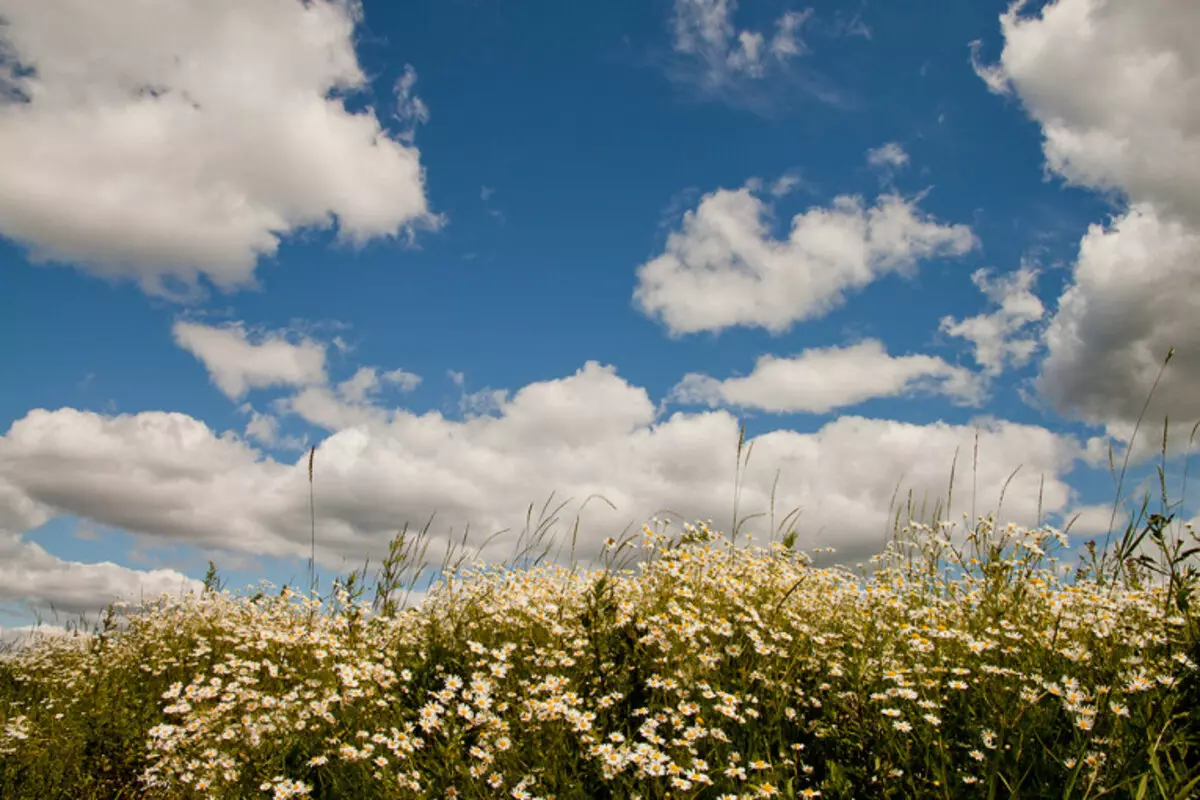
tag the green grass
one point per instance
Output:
(966, 664)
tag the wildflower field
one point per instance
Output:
(969, 663)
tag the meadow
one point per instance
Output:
(966, 663)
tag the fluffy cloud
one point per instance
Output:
(785, 184)
(192, 150)
(170, 479)
(995, 337)
(18, 512)
(821, 380)
(367, 381)
(352, 403)
(265, 429)
(724, 268)
(114, 459)
(887, 156)
(262, 428)
(1116, 90)
(1096, 520)
(237, 365)
(31, 575)
(1135, 294)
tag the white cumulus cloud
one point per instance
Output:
(820, 380)
(1002, 337)
(724, 268)
(367, 381)
(1116, 89)
(1135, 295)
(168, 140)
(30, 575)
(170, 479)
(237, 364)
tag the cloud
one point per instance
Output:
(994, 336)
(786, 41)
(351, 402)
(329, 409)
(404, 381)
(237, 365)
(1095, 520)
(18, 511)
(1135, 294)
(821, 380)
(170, 479)
(366, 382)
(43, 582)
(154, 472)
(704, 32)
(31, 575)
(854, 26)
(991, 75)
(785, 184)
(724, 268)
(265, 429)
(411, 111)
(1116, 90)
(887, 156)
(355, 390)
(191, 152)
(483, 402)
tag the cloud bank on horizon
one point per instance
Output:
(238, 230)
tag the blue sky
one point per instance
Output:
(476, 253)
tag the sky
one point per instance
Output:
(485, 256)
